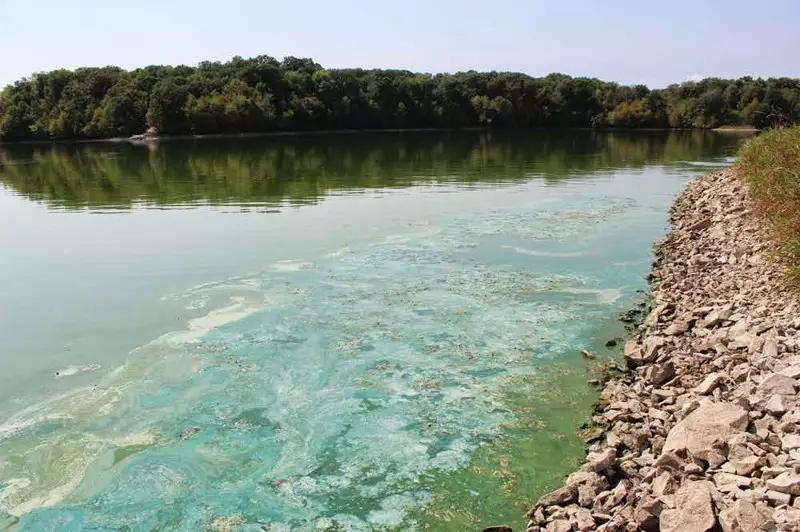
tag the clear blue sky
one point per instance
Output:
(631, 41)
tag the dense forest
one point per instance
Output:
(263, 94)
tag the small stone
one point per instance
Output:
(633, 353)
(790, 442)
(745, 466)
(584, 478)
(737, 480)
(664, 484)
(678, 327)
(584, 520)
(776, 405)
(692, 469)
(591, 434)
(601, 461)
(559, 525)
(660, 373)
(743, 516)
(793, 371)
(770, 349)
(498, 528)
(703, 224)
(586, 495)
(715, 318)
(778, 498)
(776, 384)
(715, 459)
(787, 482)
(559, 496)
(708, 384)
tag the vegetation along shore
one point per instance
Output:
(263, 94)
(703, 431)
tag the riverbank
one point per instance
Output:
(703, 432)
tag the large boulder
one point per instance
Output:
(706, 430)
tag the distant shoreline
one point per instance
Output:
(299, 132)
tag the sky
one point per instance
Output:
(628, 41)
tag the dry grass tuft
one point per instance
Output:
(770, 163)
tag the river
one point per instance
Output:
(374, 331)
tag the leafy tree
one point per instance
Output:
(264, 94)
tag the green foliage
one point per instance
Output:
(770, 163)
(264, 94)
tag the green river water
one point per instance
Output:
(327, 332)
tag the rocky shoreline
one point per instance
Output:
(703, 431)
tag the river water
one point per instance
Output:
(326, 332)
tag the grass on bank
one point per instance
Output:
(770, 163)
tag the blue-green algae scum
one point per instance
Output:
(333, 332)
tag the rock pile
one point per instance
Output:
(703, 432)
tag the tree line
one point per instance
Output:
(263, 94)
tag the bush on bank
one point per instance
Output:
(770, 163)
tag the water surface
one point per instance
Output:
(330, 332)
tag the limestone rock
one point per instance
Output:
(693, 510)
(559, 496)
(706, 429)
(559, 525)
(790, 442)
(743, 516)
(776, 384)
(709, 383)
(787, 482)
